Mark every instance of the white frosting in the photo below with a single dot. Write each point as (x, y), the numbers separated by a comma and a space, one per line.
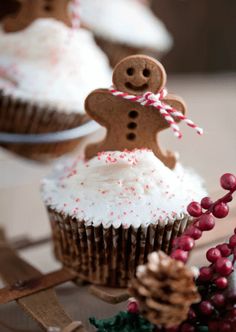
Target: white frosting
(129, 188)
(52, 64)
(126, 21)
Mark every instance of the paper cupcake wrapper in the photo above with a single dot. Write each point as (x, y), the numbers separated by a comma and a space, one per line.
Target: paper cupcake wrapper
(117, 51)
(109, 256)
(22, 117)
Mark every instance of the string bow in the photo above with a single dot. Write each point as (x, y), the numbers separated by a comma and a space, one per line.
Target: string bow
(167, 111)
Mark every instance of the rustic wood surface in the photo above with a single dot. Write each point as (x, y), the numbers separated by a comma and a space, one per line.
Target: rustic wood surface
(211, 102)
(43, 307)
(109, 295)
(34, 285)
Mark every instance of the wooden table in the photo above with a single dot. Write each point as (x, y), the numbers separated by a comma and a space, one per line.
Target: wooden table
(212, 104)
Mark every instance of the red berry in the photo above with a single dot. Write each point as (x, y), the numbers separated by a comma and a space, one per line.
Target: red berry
(231, 315)
(186, 327)
(223, 266)
(172, 329)
(233, 325)
(191, 314)
(228, 181)
(194, 232)
(180, 255)
(224, 249)
(186, 243)
(232, 241)
(221, 282)
(205, 274)
(206, 222)
(213, 326)
(225, 327)
(206, 308)
(133, 307)
(206, 203)
(218, 300)
(194, 209)
(220, 210)
(213, 254)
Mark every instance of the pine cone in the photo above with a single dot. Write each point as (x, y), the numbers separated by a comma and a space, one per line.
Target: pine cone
(165, 290)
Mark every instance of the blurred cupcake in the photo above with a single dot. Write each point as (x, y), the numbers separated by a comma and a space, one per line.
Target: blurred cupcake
(45, 75)
(8, 7)
(125, 27)
(108, 213)
(127, 198)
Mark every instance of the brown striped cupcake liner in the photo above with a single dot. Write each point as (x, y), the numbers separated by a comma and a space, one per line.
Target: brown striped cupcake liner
(109, 256)
(117, 51)
(22, 117)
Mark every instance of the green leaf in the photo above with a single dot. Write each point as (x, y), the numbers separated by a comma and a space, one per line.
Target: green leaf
(123, 322)
(202, 329)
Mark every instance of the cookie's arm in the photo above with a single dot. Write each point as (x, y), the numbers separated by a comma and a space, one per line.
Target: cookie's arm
(177, 103)
(98, 105)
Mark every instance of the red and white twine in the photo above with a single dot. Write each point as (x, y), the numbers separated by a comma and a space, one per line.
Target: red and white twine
(75, 13)
(167, 111)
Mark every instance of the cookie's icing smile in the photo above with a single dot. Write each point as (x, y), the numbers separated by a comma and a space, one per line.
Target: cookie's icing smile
(140, 88)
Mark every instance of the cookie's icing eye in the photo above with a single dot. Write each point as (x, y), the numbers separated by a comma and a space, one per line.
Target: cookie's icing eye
(130, 71)
(48, 6)
(146, 72)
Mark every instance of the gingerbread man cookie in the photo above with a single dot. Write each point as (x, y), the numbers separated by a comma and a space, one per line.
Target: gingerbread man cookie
(132, 125)
(33, 9)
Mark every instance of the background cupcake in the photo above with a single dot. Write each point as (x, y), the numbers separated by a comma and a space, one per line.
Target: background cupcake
(125, 27)
(46, 71)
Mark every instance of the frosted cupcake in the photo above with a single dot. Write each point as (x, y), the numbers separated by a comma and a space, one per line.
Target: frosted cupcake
(125, 27)
(45, 75)
(51, 65)
(111, 208)
(108, 213)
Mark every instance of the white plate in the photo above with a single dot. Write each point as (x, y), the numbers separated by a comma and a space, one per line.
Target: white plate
(60, 136)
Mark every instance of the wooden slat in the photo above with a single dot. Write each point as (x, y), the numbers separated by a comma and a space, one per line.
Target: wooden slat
(2, 235)
(32, 286)
(43, 307)
(109, 295)
(26, 242)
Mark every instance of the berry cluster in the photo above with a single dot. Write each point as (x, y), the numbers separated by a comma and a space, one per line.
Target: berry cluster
(216, 283)
(217, 309)
(204, 220)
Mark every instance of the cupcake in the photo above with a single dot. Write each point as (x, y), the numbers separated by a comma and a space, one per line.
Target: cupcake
(109, 212)
(126, 198)
(125, 27)
(46, 71)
